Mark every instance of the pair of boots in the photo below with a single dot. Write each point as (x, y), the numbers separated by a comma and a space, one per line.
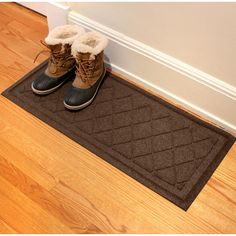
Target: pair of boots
(74, 53)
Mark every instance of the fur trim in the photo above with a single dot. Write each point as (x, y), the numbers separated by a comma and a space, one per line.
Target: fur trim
(91, 42)
(65, 34)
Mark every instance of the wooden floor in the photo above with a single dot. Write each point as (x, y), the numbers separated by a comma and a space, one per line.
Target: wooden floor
(50, 184)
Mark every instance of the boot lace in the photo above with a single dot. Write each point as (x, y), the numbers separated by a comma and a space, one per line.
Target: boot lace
(85, 69)
(57, 58)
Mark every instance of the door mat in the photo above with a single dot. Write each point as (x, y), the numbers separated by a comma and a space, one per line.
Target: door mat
(159, 145)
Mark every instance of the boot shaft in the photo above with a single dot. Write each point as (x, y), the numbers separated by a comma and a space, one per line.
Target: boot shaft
(88, 70)
(89, 53)
(61, 61)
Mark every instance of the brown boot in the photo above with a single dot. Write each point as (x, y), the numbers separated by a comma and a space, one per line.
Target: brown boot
(61, 63)
(88, 51)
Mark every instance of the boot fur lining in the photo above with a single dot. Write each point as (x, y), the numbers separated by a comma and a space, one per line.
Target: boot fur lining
(91, 42)
(64, 34)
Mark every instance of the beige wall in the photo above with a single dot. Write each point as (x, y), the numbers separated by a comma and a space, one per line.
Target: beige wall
(200, 34)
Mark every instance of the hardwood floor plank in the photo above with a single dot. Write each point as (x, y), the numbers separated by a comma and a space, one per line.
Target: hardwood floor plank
(6, 229)
(70, 217)
(83, 203)
(15, 36)
(24, 15)
(23, 215)
(26, 164)
(5, 19)
(19, 42)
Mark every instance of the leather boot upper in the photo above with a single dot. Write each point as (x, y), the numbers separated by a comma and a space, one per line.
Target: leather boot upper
(88, 70)
(61, 61)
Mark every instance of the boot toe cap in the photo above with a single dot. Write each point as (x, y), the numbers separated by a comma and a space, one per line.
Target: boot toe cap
(77, 98)
(43, 82)
(40, 84)
(74, 97)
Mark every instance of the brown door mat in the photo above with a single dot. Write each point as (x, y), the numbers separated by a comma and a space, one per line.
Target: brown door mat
(161, 146)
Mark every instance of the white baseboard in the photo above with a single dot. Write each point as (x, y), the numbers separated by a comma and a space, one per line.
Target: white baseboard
(181, 83)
